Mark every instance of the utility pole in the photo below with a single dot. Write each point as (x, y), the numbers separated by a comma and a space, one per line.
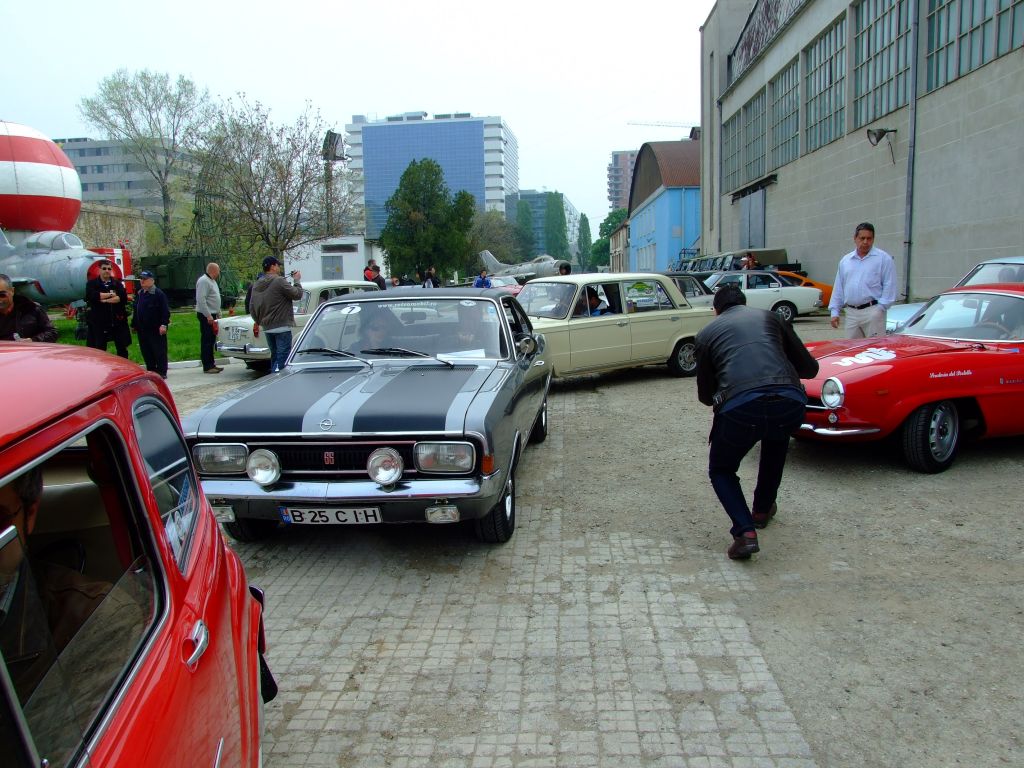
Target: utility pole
(333, 142)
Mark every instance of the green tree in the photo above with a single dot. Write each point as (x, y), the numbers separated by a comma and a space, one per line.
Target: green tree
(601, 250)
(160, 122)
(426, 225)
(524, 230)
(555, 235)
(583, 244)
(493, 232)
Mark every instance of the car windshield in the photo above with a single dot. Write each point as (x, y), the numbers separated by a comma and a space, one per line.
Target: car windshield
(406, 328)
(971, 317)
(502, 281)
(541, 299)
(994, 273)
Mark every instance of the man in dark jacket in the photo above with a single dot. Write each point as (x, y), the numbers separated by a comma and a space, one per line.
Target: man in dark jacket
(749, 366)
(150, 321)
(21, 319)
(108, 311)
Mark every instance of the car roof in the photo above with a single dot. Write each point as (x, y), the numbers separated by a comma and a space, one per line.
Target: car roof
(1005, 260)
(41, 381)
(316, 285)
(596, 277)
(419, 292)
(1015, 289)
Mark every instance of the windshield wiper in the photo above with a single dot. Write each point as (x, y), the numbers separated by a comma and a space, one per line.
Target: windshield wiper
(334, 352)
(403, 352)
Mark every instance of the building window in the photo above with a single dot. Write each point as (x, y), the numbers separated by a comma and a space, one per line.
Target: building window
(785, 89)
(753, 130)
(965, 34)
(731, 153)
(881, 59)
(825, 64)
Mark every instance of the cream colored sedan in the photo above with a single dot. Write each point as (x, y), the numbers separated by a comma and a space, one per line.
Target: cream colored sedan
(605, 321)
(235, 337)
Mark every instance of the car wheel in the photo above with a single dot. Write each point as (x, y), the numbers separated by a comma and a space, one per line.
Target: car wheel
(539, 433)
(497, 526)
(785, 310)
(258, 365)
(684, 359)
(250, 530)
(931, 436)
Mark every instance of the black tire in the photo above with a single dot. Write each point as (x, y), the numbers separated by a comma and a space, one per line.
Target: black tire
(250, 530)
(684, 359)
(498, 525)
(539, 433)
(931, 436)
(258, 365)
(785, 310)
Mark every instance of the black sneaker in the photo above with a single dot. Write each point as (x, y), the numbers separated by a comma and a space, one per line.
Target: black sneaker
(761, 519)
(743, 546)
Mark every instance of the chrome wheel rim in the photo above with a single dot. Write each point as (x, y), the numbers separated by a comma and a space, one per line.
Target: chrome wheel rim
(686, 357)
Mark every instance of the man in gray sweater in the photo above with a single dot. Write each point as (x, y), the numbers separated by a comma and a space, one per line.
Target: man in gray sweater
(208, 310)
(272, 310)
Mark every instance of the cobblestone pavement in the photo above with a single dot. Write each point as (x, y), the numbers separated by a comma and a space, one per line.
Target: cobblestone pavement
(612, 631)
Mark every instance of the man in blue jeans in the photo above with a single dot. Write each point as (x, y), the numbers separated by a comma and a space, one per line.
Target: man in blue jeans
(749, 366)
(272, 310)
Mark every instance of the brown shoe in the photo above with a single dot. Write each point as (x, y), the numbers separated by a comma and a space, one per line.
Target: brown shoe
(761, 519)
(743, 546)
(213, 370)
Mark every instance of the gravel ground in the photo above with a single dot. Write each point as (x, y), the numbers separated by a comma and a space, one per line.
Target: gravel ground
(886, 604)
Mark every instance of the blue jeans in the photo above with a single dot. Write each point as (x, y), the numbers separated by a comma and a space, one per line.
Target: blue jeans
(769, 420)
(280, 345)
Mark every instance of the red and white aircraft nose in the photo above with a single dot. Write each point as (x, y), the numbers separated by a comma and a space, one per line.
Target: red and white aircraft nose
(39, 187)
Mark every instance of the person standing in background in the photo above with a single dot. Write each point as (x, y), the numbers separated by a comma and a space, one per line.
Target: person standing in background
(108, 311)
(208, 310)
(865, 286)
(150, 320)
(272, 309)
(21, 319)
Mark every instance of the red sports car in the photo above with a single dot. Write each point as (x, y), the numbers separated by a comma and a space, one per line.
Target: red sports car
(955, 371)
(129, 635)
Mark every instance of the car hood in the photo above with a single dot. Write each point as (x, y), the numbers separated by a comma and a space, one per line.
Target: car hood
(389, 398)
(847, 355)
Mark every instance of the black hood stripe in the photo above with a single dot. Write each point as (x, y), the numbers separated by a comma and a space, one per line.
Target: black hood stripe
(416, 400)
(281, 406)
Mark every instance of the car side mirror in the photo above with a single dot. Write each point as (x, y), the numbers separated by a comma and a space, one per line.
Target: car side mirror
(527, 346)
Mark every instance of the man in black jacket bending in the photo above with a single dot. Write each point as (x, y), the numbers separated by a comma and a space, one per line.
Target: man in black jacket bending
(749, 366)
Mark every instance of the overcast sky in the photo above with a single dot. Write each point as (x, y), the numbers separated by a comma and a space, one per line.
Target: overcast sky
(566, 77)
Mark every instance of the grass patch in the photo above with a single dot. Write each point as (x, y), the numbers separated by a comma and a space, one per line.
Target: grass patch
(182, 336)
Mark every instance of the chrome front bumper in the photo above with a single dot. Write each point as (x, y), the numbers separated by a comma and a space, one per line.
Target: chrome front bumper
(242, 350)
(839, 432)
(404, 502)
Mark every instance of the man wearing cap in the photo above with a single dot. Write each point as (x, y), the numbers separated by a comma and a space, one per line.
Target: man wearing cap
(865, 286)
(208, 310)
(150, 321)
(272, 309)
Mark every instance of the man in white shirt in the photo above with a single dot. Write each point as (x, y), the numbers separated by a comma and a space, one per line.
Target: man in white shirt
(865, 286)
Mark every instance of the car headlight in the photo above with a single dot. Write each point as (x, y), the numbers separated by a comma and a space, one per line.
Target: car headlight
(220, 459)
(385, 466)
(832, 393)
(263, 467)
(444, 457)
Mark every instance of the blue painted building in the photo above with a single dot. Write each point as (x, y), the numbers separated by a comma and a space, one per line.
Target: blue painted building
(664, 204)
(476, 154)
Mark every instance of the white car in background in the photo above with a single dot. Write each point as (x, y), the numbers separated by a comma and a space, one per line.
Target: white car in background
(235, 337)
(765, 290)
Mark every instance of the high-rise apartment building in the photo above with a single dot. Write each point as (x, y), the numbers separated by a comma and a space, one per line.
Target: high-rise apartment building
(477, 154)
(620, 176)
(538, 202)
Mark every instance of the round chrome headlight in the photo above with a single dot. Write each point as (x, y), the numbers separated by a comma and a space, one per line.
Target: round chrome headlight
(832, 393)
(385, 466)
(263, 467)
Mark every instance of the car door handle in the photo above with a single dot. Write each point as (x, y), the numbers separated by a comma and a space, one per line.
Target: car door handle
(674, 318)
(622, 323)
(200, 637)
(539, 362)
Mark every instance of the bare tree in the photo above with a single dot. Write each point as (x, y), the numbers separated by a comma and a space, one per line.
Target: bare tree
(159, 121)
(269, 177)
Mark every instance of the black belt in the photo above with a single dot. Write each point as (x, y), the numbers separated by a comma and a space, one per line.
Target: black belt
(863, 306)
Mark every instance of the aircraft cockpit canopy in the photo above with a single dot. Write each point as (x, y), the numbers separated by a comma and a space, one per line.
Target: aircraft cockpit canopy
(52, 241)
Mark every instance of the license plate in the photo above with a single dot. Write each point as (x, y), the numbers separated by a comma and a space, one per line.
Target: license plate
(346, 516)
(235, 332)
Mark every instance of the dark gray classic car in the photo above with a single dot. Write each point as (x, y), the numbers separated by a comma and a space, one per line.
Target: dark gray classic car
(407, 405)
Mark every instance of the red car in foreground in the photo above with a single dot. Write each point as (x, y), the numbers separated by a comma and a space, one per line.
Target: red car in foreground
(955, 371)
(129, 635)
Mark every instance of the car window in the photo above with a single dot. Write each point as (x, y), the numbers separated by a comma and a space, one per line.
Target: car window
(608, 300)
(994, 273)
(80, 593)
(688, 287)
(724, 280)
(645, 296)
(518, 322)
(761, 281)
(170, 476)
(541, 299)
(971, 316)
